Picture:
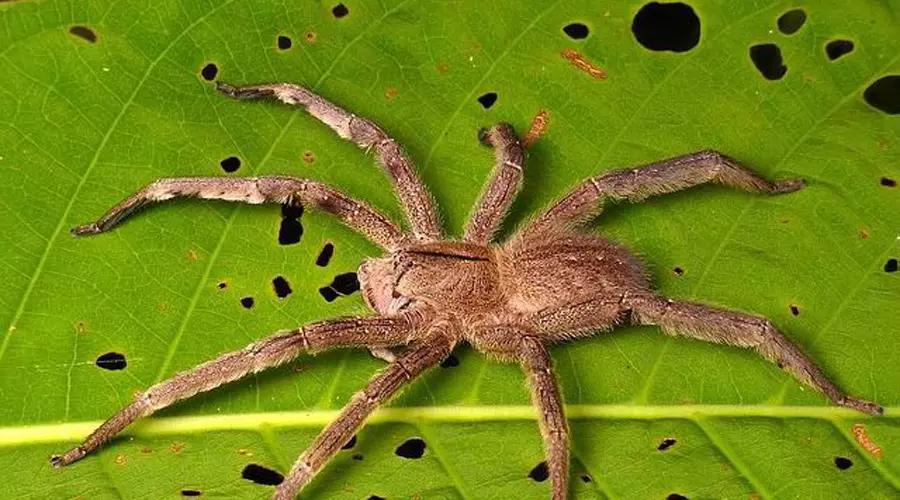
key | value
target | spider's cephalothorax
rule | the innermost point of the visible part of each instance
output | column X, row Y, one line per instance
column 510, row 300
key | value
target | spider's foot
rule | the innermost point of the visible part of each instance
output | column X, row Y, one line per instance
column 242, row 92
column 861, row 405
column 86, row 229
column 788, row 186
column 58, row 461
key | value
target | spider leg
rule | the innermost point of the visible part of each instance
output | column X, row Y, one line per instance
column 416, row 200
column 666, row 176
column 421, row 355
column 503, row 186
column 742, row 330
column 266, row 353
column 256, row 190
column 511, row 343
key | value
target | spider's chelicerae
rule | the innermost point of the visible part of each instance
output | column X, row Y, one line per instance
column 548, row 283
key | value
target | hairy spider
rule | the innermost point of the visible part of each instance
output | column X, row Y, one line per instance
column 548, row 283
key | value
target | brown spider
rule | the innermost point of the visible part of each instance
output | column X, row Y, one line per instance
column 547, row 284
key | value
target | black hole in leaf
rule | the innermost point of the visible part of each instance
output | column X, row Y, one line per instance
column 262, row 475
column 586, row 478
column 84, row 33
column 450, row 362
column 667, row 26
column 843, row 463
column 838, row 48
column 767, row 59
column 487, row 100
column 375, row 497
column 230, row 164
column 325, row 255
column 679, row 271
column 328, row 293
column 247, row 302
column 284, row 42
column 665, row 444
column 292, row 210
column 281, row 286
column 346, row 283
column 890, row 266
column 111, row 361
column 349, row 444
column 884, row 94
column 209, row 72
column 540, row 472
column 340, row 10
column 222, row 285
column 887, row 182
column 791, row 21
column 290, row 231
column 576, row 31
column 411, row 448
column 191, row 493
column 358, row 457
column 795, row 310
column 676, row 496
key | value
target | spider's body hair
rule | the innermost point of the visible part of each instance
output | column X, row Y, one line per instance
column 510, row 300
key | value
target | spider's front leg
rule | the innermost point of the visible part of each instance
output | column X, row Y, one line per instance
column 742, row 330
column 421, row 355
column 512, row 343
column 272, row 351
column 666, row 176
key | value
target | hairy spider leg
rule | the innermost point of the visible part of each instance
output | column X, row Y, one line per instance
column 503, row 187
column 269, row 352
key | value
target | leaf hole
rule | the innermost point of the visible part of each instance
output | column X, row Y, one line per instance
column 209, row 72
column 325, row 255
column 836, row 49
column 310, row 37
column 284, row 42
column 791, row 21
column 247, row 302
column 884, row 94
column 358, row 457
column 450, row 362
column 262, row 475
column 890, row 266
column 222, row 285
column 191, row 493
column 309, row 157
column 586, row 478
column 349, row 444
column 676, row 496
column 843, row 463
column 666, row 443
column 328, row 293
column 767, row 59
column 84, row 33
column 540, row 472
column 292, row 210
column 230, row 164
column 345, row 284
column 795, row 310
column 281, row 286
column 412, row 448
column 290, row 231
column 375, row 497
column 667, row 26
column 340, row 11
column 111, row 361
column 888, row 182
column 678, row 271
column 487, row 100
column 576, row 31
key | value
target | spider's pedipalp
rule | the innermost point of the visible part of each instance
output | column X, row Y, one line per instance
column 742, row 330
column 666, row 176
column 420, row 356
column 501, row 190
column 416, row 200
column 272, row 351
column 256, row 190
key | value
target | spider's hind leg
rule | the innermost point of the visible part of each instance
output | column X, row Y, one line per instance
column 742, row 330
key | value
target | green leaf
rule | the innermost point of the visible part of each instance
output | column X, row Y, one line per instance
column 87, row 123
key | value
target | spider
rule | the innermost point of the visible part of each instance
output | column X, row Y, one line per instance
column 548, row 283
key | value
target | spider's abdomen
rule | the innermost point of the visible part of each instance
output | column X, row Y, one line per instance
column 551, row 271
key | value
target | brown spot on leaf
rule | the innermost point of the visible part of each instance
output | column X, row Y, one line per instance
column 176, row 447
column 443, row 68
column 146, row 451
column 245, row 452
column 390, row 94
column 864, row 234
column 537, row 129
column 862, row 437
column 308, row 156
column 120, row 460
column 82, row 326
column 192, row 255
column 579, row 61
column 310, row 37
